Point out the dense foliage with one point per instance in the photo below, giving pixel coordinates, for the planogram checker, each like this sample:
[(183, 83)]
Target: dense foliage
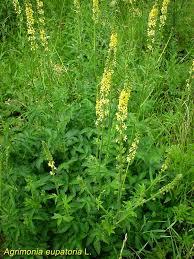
[(120, 188)]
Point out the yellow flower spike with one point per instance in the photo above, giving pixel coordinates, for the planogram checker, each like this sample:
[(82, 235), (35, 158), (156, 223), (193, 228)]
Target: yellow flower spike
[(164, 11), (165, 165), (43, 39), (113, 41), (41, 21), (106, 82), (112, 49), (133, 150), (17, 7), (102, 103), (152, 21), (58, 69), (30, 25), (96, 10), (51, 164), (122, 113), (122, 107), (77, 5)]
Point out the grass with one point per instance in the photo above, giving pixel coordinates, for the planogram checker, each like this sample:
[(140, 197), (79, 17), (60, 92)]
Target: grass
[(65, 182)]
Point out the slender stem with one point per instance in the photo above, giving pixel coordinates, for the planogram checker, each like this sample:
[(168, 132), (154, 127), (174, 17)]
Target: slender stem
[(94, 47)]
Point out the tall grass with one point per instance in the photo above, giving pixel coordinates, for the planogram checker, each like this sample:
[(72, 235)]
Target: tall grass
[(96, 135)]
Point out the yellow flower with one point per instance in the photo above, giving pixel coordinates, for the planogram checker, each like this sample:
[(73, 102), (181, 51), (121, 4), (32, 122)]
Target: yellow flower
[(123, 101), (17, 7), (152, 20), (136, 12), (58, 68), (122, 107), (51, 164), (164, 11), (96, 10), (41, 21), (122, 114), (133, 150), (43, 39), (165, 165), (113, 41), (102, 103), (106, 82), (77, 5), (111, 60), (30, 25)]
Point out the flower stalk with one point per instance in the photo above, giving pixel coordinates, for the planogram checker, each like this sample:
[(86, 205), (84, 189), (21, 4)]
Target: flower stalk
[(164, 11), (152, 22), (17, 7), (30, 25), (95, 10), (103, 99), (41, 23)]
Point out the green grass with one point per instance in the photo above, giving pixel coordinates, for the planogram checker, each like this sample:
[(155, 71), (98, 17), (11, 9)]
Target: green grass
[(48, 113)]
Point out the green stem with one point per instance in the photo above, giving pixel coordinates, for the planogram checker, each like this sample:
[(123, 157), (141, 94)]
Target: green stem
[(94, 47)]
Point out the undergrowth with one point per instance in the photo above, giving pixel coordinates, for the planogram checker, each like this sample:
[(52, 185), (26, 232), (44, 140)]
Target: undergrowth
[(96, 128)]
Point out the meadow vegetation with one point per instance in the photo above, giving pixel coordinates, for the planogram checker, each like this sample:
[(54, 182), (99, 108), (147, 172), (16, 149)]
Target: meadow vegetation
[(96, 134)]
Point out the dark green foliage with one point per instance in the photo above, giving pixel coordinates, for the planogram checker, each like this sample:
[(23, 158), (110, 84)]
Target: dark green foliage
[(8, 23), (59, 183)]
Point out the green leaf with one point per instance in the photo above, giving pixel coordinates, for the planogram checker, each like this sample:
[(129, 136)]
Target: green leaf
[(67, 218), (97, 246), (58, 217)]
